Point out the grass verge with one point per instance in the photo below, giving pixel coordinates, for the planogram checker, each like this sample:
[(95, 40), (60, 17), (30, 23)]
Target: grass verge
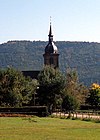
[(35, 128)]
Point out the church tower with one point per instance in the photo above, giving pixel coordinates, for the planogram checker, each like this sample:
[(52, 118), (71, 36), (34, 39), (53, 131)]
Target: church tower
[(51, 55)]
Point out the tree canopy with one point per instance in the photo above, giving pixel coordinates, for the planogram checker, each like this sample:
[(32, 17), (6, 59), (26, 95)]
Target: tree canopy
[(93, 98), (15, 89), (51, 83), (75, 93)]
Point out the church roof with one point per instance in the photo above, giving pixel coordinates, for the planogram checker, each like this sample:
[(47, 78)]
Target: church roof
[(32, 74), (51, 47)]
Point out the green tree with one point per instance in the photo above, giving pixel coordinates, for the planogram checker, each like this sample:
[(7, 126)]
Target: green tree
[(75, 93), (15, 89), (69, 103), (51, 84), (93, 98)]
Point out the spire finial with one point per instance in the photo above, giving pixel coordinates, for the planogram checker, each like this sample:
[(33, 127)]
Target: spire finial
[(50, 20), (50, 31)]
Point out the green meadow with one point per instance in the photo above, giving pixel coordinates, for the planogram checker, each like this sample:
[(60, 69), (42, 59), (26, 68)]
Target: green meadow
[(35, 128)]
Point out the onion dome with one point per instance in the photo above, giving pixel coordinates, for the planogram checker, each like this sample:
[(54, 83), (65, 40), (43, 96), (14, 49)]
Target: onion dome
[(51, 47)]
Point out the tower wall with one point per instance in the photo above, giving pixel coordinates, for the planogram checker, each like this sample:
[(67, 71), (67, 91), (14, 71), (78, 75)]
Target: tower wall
[(51, 59)]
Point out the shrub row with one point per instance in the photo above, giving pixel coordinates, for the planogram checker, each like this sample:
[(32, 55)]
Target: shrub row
[(40, 111)]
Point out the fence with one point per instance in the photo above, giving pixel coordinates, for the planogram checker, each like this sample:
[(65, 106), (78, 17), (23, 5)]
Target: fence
[(78, 114)]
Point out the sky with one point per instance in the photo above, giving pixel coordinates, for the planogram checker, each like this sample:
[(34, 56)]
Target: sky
[(72, 20)]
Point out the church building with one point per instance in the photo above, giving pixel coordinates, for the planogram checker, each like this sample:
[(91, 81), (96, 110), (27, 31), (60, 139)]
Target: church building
[(51, 56)]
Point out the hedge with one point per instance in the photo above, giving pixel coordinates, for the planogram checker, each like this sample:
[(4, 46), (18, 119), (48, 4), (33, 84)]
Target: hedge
[(40, 111)]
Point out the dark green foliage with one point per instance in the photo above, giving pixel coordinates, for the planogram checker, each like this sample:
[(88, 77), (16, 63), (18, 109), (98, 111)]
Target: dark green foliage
[(51, 84), (93, 98), (27, 55), (75, 93), (69, 103), (40, 111), (15, 89)]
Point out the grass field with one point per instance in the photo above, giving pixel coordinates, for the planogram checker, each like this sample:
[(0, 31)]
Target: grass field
[(17, 128)]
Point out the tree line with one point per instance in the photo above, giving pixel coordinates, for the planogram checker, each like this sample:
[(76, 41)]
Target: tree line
[(26, 55), (52, 89)]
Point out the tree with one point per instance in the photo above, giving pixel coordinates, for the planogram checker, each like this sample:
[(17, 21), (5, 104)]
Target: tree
[(75, 93), (9, 90), (93, 98), (15, 89), (69, 103), (51, 83)]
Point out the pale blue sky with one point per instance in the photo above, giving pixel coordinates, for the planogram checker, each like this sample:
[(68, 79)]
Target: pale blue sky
[(72, 20)]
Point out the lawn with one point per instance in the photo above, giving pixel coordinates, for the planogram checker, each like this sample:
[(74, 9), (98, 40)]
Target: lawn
[(35, 128)]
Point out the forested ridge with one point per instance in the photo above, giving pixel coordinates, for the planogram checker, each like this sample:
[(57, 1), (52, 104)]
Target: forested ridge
[(28, 55)]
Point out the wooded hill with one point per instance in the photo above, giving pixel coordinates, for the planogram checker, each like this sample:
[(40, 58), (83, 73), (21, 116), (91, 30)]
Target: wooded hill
[(28, 55)]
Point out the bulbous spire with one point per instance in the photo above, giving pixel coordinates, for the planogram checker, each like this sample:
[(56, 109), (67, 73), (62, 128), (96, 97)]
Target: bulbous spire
[(51, 56), (51, 47)]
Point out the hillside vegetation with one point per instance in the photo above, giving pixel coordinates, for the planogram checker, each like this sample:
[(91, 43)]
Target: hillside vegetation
[(28, 55)]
